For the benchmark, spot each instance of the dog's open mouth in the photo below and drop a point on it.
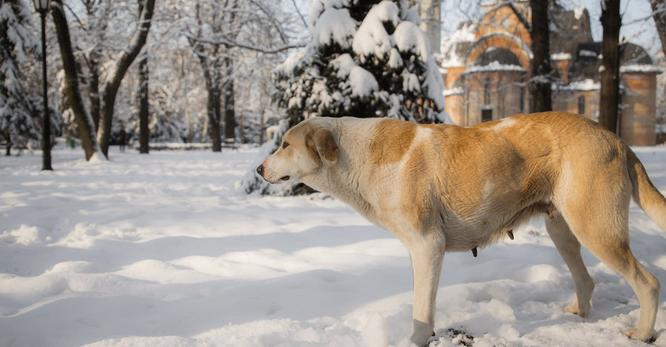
(285, 178)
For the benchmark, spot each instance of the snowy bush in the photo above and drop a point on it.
(365, 59)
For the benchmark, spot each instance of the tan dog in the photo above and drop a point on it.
(445, 188)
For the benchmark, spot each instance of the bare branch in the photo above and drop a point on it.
(231, 43)
(272, 19)
(78, 20)
(647, 17)
(300, 15)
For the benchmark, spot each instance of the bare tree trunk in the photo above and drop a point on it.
(124, 62)
(262, 128)
(212, 79)
(144, 131)
(83, 120)
(229, 102)
(659, 15)
(214, 118)
(8, 149)
(539, 85)
(213, 106)
(610, 65)
(430, 13)
(93, 95)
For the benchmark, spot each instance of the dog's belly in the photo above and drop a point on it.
(486, 228)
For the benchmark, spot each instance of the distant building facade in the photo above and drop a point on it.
(485, 67)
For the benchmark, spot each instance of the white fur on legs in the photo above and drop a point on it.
(426, 266)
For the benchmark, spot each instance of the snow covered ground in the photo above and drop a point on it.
(165, 250)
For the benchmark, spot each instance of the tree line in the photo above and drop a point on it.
(94, 46)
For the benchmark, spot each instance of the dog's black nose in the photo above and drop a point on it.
(260, 170)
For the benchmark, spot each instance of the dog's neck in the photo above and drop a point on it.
(340, 180)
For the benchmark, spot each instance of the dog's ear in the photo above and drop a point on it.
(323, 143)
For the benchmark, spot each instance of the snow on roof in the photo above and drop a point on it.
(640, 68)
(578, 12)
(560, 56)
(371, 37)
(584, 85)
(493, 66)
(586, 53)
(454, 91)
(334, 25)
(466, 33)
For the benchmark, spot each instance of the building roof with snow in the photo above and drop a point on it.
(486, 65)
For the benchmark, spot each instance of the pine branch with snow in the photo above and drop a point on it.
(362, 64)
(17, 43)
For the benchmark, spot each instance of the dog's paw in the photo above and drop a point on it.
(419, 340)
(645, 337)
(574, 309)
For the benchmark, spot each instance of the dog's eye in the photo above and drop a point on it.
(285, 145)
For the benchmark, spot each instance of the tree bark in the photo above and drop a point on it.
(144, 131)
(539, 84)
(229, 102)
(46, 122)
(93, 95)
(83, 120)
(430, 13)
(213, 107)
(94, 57)
(610, 65)
(213, 102)
(659, 16)
(212, 79)
(124, 62)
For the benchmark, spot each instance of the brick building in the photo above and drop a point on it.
(486, 64)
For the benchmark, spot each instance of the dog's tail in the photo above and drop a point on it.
(644, 192)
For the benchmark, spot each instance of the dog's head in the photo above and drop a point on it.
(306, 149)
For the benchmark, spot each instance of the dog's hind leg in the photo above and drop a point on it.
(617, 255)
(426, 255)
(601, 224)
(569, 248)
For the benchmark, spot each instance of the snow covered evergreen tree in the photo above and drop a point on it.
(17, 42)
(366, 58)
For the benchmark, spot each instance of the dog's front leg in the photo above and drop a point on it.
(426, 266)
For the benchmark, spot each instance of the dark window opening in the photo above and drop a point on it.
(581, 104)
(486, 114)
(522, 100)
